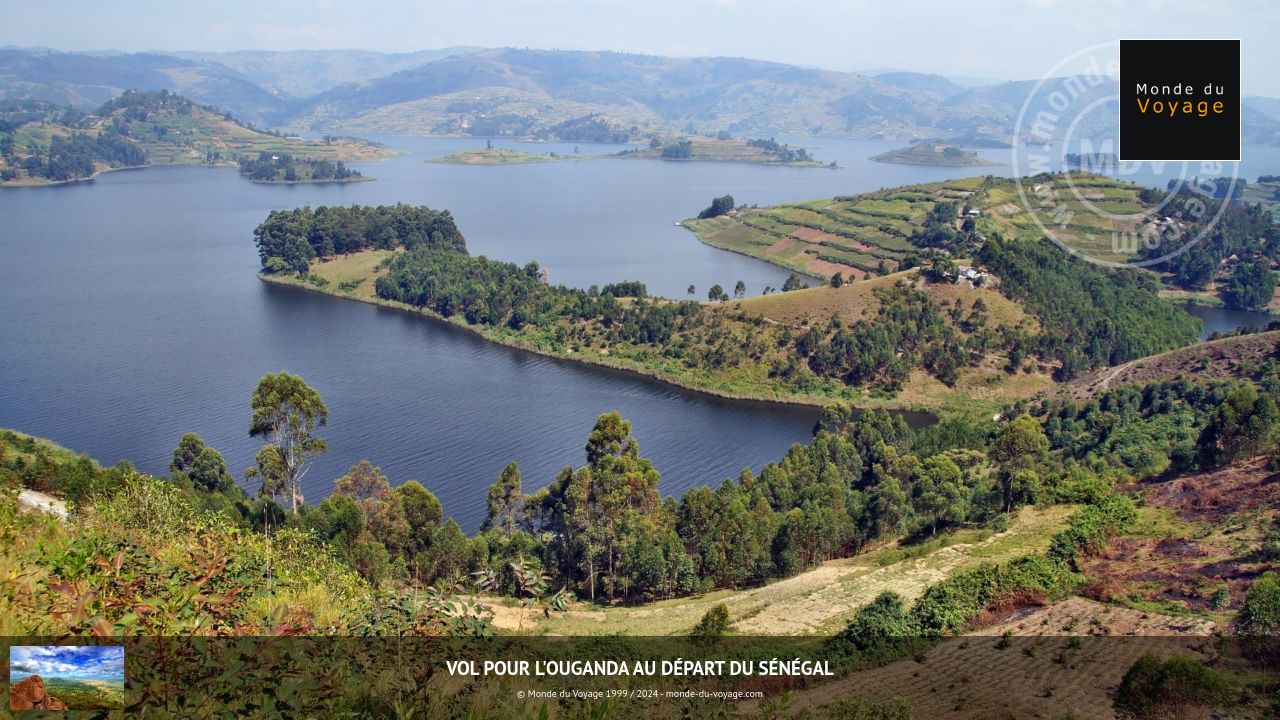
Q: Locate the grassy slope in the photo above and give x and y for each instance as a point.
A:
(80, 694)
(852, 235)
(982, 388)
(818, 601)
(1223, 358)
(170, 138)
(12, 445)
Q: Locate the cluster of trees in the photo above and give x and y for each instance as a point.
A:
(1244, 239)
(592, 128)
(909, 331)
(273, 167)
(719, 206)
(288, 240)
(1089, 316)
(784, 153)
(604, 531)
(678, 150)
(79, 155)
(139, 105)
(501, 294)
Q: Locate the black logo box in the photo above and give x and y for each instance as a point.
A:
(1186, 65)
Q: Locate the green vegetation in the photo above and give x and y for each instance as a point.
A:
(1236, 250)
(78, 694)
(926, 153)
(288, 240)
(1179, 686)
(724, 148)
(498, 156)
(273, 168)
(42, 143)
(719, 206)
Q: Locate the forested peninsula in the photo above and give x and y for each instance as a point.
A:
(921, 336)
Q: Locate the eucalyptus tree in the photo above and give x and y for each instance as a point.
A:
(286, 412)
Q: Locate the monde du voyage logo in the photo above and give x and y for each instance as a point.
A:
(1179, 100)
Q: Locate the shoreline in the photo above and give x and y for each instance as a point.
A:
(362, 178)
(605, 361)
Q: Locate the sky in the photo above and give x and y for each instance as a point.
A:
(66, 661)
(993, 39)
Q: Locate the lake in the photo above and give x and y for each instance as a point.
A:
(130, 313)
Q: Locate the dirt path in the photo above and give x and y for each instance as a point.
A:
(815, 602)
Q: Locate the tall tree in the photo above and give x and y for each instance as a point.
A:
(505, 501)
(287, 411)
(1018, 447)
(940, 491)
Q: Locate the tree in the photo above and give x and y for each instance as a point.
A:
(1259, 619)
(837, 279)
(505, 501)
(719, 206)
(287, 412)
(940, 491)
(601, 511)
(739, 289)
(882, 624)
(717, 293)
(1019, 445)
(1260, 614)
(713, 625)
(384, 514)
(793, 282)
(422, 510)
(1179, 687)
(693, 290)
(1242, 425)
(185, 454)
(1251, 285)
(363, 482)
(209, 472)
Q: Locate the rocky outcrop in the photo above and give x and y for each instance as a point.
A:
(29, 694)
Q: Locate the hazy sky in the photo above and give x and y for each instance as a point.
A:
(999, 39)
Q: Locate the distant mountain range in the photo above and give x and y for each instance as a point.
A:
(530, 93)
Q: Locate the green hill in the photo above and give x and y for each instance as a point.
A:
(43, 143)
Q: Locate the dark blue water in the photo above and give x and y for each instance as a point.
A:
(130, 313)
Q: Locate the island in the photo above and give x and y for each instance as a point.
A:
(930, 153)
(44, 143)
(491, 155)
(717, 148)
(285, 169)
(724, 148)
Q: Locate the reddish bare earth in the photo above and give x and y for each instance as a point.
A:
(1211, 523)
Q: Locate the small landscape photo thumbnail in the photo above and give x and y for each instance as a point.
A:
(66, 677)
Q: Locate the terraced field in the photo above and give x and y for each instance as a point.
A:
(864, 235)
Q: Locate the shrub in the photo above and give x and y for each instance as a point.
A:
(1173, 688)
(714, 624)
